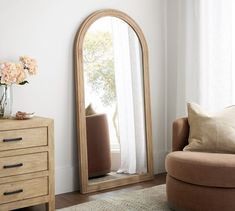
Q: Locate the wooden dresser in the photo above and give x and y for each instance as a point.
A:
(26, 163)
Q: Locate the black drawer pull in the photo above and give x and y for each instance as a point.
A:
(13, 166)
(12, 139)
(13, 192)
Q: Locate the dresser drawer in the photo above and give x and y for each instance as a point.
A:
(15, 191)
(22, 164)
(16, 139)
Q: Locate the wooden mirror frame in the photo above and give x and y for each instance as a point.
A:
(85, 187)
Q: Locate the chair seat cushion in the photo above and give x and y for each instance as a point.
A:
(201, 168)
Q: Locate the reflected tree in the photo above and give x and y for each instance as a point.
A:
(98, 59)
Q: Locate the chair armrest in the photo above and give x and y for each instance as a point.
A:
(180, 133)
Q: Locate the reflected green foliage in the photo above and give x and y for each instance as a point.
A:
(99, 65)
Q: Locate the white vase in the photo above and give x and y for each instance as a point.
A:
(6, 100)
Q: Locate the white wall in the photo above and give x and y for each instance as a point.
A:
(172, 64)
(45, 30)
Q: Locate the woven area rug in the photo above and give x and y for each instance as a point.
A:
(152, 199)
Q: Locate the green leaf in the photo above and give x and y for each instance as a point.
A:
(99, 65)
(23, 82)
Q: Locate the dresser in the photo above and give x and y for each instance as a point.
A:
(26, 163)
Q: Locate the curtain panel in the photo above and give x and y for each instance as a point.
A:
(205, 54)
(200, 56)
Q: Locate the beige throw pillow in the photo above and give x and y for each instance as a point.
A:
(211, 132)
(90, 110)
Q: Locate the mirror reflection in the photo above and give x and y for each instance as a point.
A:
(114, 100)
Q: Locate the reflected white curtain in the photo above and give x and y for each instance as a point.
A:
(130, 98)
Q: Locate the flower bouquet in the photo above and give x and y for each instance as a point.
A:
(13, 73)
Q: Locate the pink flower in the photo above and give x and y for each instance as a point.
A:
(14, 73)
(30, 64)
(9, 72)
(21, 74)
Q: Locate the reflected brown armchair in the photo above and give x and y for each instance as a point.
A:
(98, 146)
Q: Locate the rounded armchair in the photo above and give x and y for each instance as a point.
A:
(197, 180)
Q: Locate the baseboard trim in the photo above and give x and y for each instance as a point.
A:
(66, 179)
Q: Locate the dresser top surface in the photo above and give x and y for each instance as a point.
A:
(11, 124)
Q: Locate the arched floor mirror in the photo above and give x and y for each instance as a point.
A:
(113, 102)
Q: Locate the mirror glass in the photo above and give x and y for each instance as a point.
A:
(114, 101)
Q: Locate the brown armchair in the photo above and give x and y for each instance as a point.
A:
(197, 180)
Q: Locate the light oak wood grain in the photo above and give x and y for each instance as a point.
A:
(36, 152)
(85, 187)
(28, 176)
(51, 186)
(35, 122)
(23, 138)
(118, 182)
(8, 153)
(21, 203)
(24, 164)
(30, 189)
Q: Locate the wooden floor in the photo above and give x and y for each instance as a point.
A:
(73, 198)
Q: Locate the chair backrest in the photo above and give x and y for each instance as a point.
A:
(180, 133)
